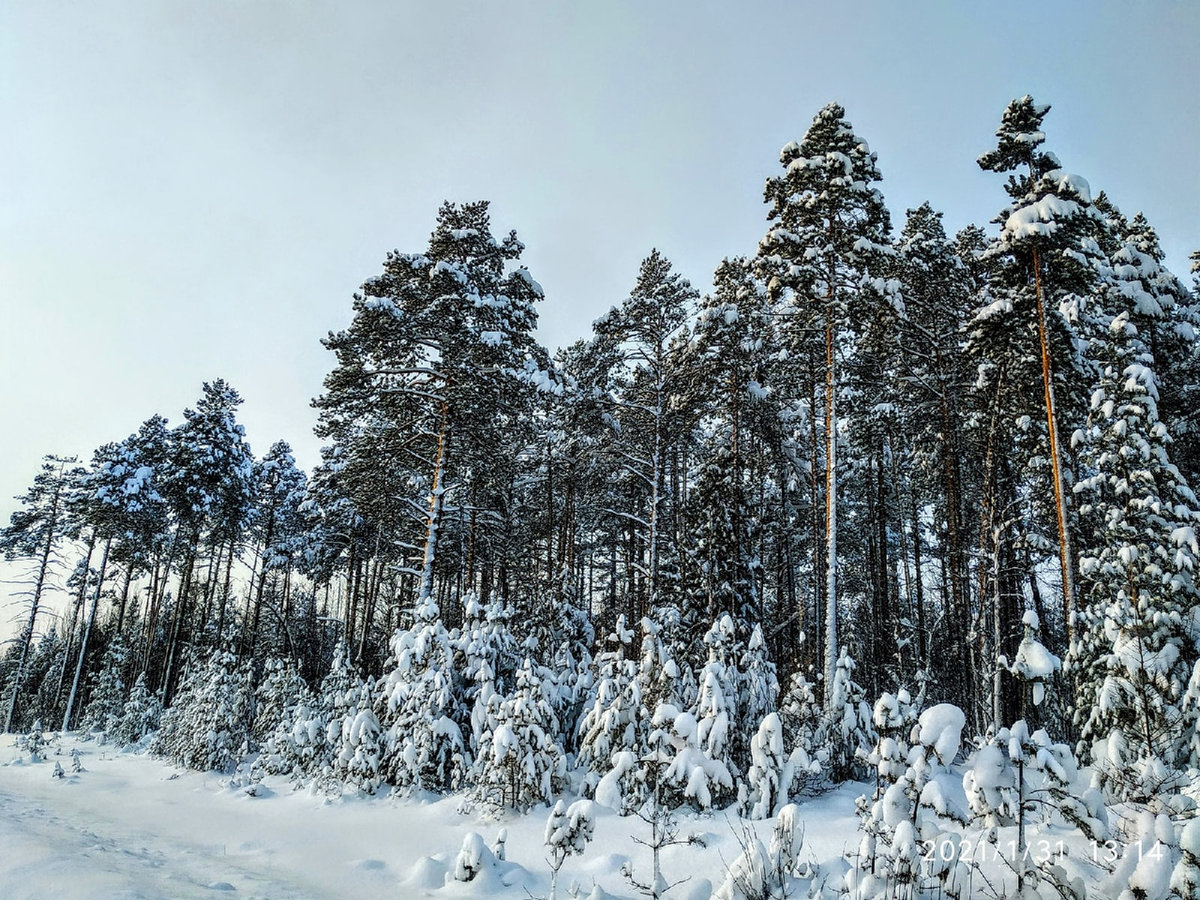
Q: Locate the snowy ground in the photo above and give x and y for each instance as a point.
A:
(130, 826)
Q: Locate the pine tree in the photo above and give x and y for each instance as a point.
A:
(107, 702)
(726, 369)
(846, 728)
(208, 486)
(638, 343)
(520, 761)
(435, 368)
(278, 526)
(568, 831)
(931, 458)
(420, 709)
(275, 699)
(34, 532)
(611, 723)
(357, 739)
(208, 726)
(1042, 274)
(719, 725)
(822, 261)
(1134, 653)
(139, 717)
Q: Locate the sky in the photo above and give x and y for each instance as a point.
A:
(194, 190)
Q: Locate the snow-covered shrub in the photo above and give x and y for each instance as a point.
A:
(424, 746)
(521, 761)
(359, 747)
(768, 779)
(758, 873)
(893, 825)
(1022, 778)
(33, 743)
(107, 701)
(1185, 877)
(846, 728)
(691, 774)
(139, 717)
(568, 830)
(1034, 665)
(472, 857)
(208, 725)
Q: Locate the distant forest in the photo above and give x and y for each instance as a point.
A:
(873, 461)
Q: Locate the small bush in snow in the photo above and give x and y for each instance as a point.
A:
(208, 726)
(568, 830)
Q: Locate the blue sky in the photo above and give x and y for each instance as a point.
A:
(195, 189)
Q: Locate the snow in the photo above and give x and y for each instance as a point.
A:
(941, 728)
(133, 826)
(1189, 838)
(1152, 875)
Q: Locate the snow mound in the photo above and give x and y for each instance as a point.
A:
(940, 727)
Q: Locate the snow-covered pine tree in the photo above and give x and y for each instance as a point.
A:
(570, 638)
(306, 746)
(846, 729)
(822, 262)
(107, 701)
(638, 343)
(720, 729)
(1167, 316)
(277, 526)
(907, 804)
(932, 458)
(208, 484)
(678, 767)
(768, 777)
(111, 497)
(420, 710)
(1185, 877)
(520, 761)
(568, 831)
(611, 720)
(275, 698)
(139, 717)
(33, 532)
(208, 726)
(800, 712)
(658, 675)
(357, 740)
(1134, 650)
(725, 368)
(432, 373)
(758, 688)
(1042, 269)
(1033, 665)
(1189, 750)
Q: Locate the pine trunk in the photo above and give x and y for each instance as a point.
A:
(38, 586)
(1060, 501)
(831, 595)
(434, 519)
(87, 631)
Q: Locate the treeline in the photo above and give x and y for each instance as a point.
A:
(863, 451)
